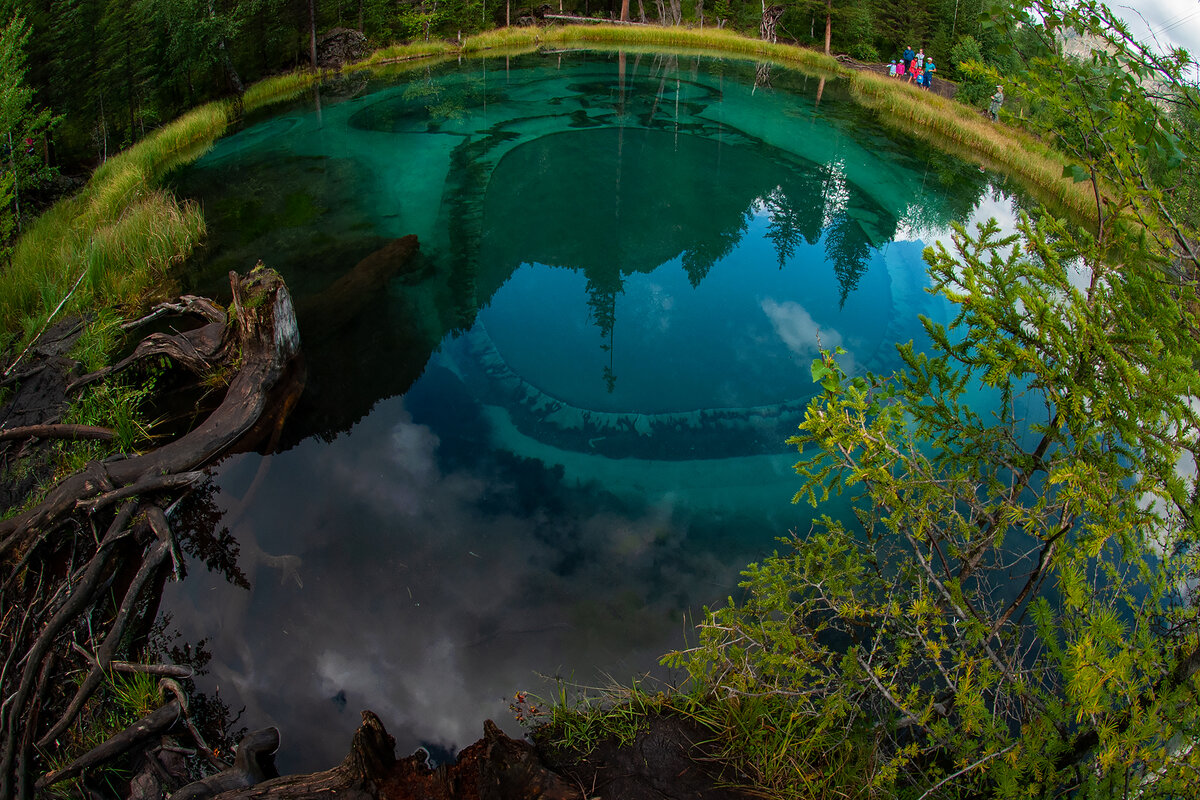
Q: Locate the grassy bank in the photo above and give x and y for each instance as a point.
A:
(964, 131)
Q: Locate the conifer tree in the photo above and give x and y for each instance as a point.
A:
(23, 128)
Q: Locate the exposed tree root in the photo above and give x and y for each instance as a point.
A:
(63, 582)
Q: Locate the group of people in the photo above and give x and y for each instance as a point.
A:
(914, 68)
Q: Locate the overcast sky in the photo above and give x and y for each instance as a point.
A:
(1170, 23)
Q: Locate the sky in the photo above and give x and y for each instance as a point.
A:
(1170, 23)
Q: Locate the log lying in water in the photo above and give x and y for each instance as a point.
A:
(372, 756)
(343, 299)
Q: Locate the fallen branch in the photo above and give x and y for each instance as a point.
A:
(187, 304)
(62, 431)
(161, 670)
(152, 483)
(46, 324)
(108, 648)
(74, 605)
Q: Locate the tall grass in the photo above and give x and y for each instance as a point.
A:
(503, 39)
(769, 744)
(408, 52)
(110, 243)
(708, 41)
(964, 130)
(278, 89)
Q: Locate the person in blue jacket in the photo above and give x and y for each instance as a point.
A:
(909, 55)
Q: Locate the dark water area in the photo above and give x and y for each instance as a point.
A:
(539, 446)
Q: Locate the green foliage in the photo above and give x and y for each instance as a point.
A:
(974, 88)
(1102, 106)
(1010, 606)
(1006, 599)
(577, 719)
(112, 405)
(23, 128)
(121, 701)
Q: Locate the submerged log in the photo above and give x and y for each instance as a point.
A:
(343, 299)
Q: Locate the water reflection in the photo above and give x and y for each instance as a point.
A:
(436, 581)
(540, 433)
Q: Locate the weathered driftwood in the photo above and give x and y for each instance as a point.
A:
(58, 431)
(254, 763)
(268, 339)
(359, 776)
(164, 670)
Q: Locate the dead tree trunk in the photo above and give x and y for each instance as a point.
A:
(770, 19)
(371, 758)
(828, 24)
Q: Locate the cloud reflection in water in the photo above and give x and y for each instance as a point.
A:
(431, 593)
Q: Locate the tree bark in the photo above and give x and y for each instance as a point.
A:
(312, 32)
(828, 24)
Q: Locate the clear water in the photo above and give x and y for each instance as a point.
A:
(539, 448)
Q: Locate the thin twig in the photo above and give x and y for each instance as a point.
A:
(965, 770)
(46, 324)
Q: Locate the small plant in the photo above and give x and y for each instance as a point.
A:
(578, 718)
(119, 703)
(109, 405)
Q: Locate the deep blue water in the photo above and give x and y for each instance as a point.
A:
(542, 445)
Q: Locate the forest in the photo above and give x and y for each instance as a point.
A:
(1007, 616)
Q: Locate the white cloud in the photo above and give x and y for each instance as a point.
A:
(798, 330)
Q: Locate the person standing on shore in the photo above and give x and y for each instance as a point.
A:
(909, 55)
(997, 101)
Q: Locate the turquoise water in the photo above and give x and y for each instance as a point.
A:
(538, 447)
